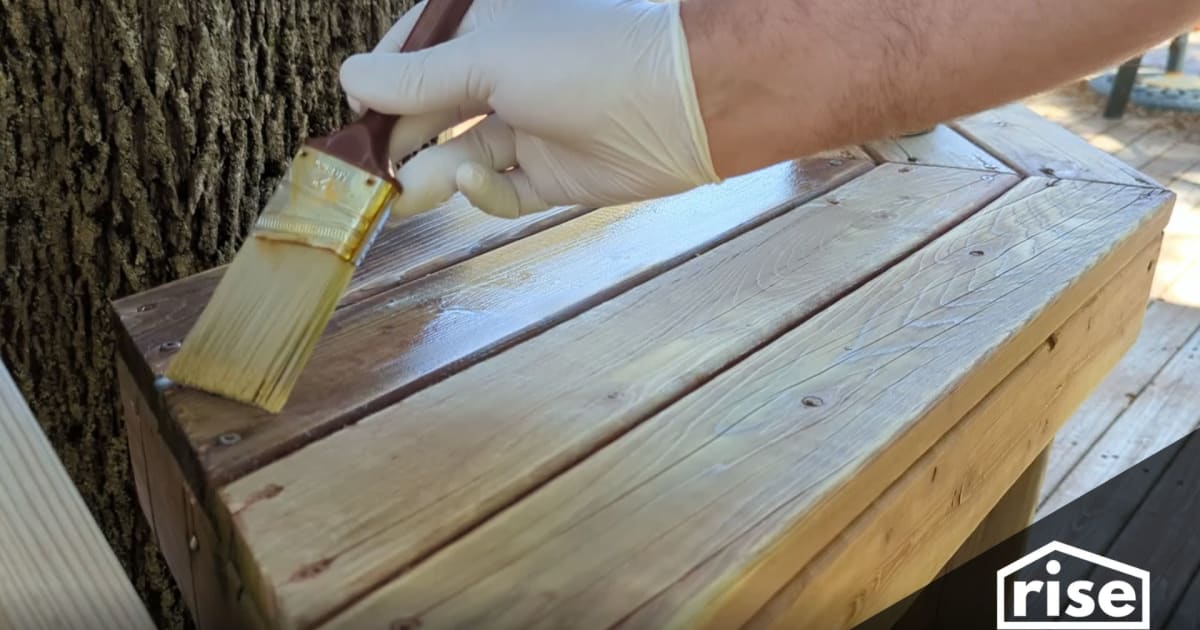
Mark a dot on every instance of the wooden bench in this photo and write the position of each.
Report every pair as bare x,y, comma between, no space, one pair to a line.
57,571
784,401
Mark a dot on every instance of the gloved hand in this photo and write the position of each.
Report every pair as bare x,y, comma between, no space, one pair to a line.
588,102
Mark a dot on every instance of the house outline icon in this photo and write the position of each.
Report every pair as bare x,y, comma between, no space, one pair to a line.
1142,575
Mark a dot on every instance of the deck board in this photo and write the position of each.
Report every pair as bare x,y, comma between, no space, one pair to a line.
1162,533
57,571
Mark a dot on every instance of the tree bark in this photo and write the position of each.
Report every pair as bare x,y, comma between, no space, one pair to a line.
138,141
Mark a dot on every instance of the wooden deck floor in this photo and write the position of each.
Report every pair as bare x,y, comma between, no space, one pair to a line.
1150,399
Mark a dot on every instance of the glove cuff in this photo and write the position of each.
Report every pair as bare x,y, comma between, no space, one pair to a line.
688,95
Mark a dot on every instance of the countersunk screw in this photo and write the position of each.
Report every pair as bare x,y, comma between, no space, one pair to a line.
229,439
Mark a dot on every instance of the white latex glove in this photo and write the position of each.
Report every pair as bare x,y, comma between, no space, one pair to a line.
589,102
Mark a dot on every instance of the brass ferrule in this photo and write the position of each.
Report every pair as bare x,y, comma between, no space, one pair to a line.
325,202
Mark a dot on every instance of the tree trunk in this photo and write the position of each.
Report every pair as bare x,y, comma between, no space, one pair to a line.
138,141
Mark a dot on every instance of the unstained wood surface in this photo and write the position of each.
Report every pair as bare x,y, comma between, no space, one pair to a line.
437,463
1038,147
782,450
57,571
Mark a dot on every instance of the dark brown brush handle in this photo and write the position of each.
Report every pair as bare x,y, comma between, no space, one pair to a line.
364,142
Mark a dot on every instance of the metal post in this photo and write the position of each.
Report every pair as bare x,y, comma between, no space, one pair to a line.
1177,52
1122,88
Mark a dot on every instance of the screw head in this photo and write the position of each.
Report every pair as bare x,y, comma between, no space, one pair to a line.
229,439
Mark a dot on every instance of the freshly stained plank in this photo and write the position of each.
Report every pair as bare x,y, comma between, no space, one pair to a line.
458,451
1036,146
1163,532
941,147
412,248
1164,412
1167,327
791,443
386,347
903,540
57,571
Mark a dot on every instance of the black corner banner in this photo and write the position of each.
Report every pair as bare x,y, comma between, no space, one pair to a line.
1125,556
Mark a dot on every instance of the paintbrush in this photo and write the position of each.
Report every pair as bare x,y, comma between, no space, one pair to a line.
262,324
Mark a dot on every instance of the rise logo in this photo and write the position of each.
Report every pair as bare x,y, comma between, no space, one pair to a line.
1062,587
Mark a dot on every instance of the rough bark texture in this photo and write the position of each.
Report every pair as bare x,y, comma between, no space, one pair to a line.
138,141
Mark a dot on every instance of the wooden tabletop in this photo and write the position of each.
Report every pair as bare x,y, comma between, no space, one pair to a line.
658,413
57,571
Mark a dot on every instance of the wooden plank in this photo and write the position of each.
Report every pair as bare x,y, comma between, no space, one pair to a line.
386,347
182,529
906,537
412,248
1010,516
56,569
1162,534
941,147
1036,146
789,444
1164,412
1167,327
535,410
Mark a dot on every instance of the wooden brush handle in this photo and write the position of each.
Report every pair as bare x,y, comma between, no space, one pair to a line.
364,142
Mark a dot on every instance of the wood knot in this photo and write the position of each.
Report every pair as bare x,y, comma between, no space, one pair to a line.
405,623
1052,341
812,401
835,162
146,308
170,346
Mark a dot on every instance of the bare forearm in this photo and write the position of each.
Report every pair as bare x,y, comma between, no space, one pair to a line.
778,79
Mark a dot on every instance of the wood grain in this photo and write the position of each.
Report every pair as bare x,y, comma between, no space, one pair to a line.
906,537
1164,412
384,348
57,571
941,147
1167,328
792,442
459,451
1038,147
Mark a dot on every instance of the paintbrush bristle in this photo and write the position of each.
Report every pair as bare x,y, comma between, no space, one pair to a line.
263,322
